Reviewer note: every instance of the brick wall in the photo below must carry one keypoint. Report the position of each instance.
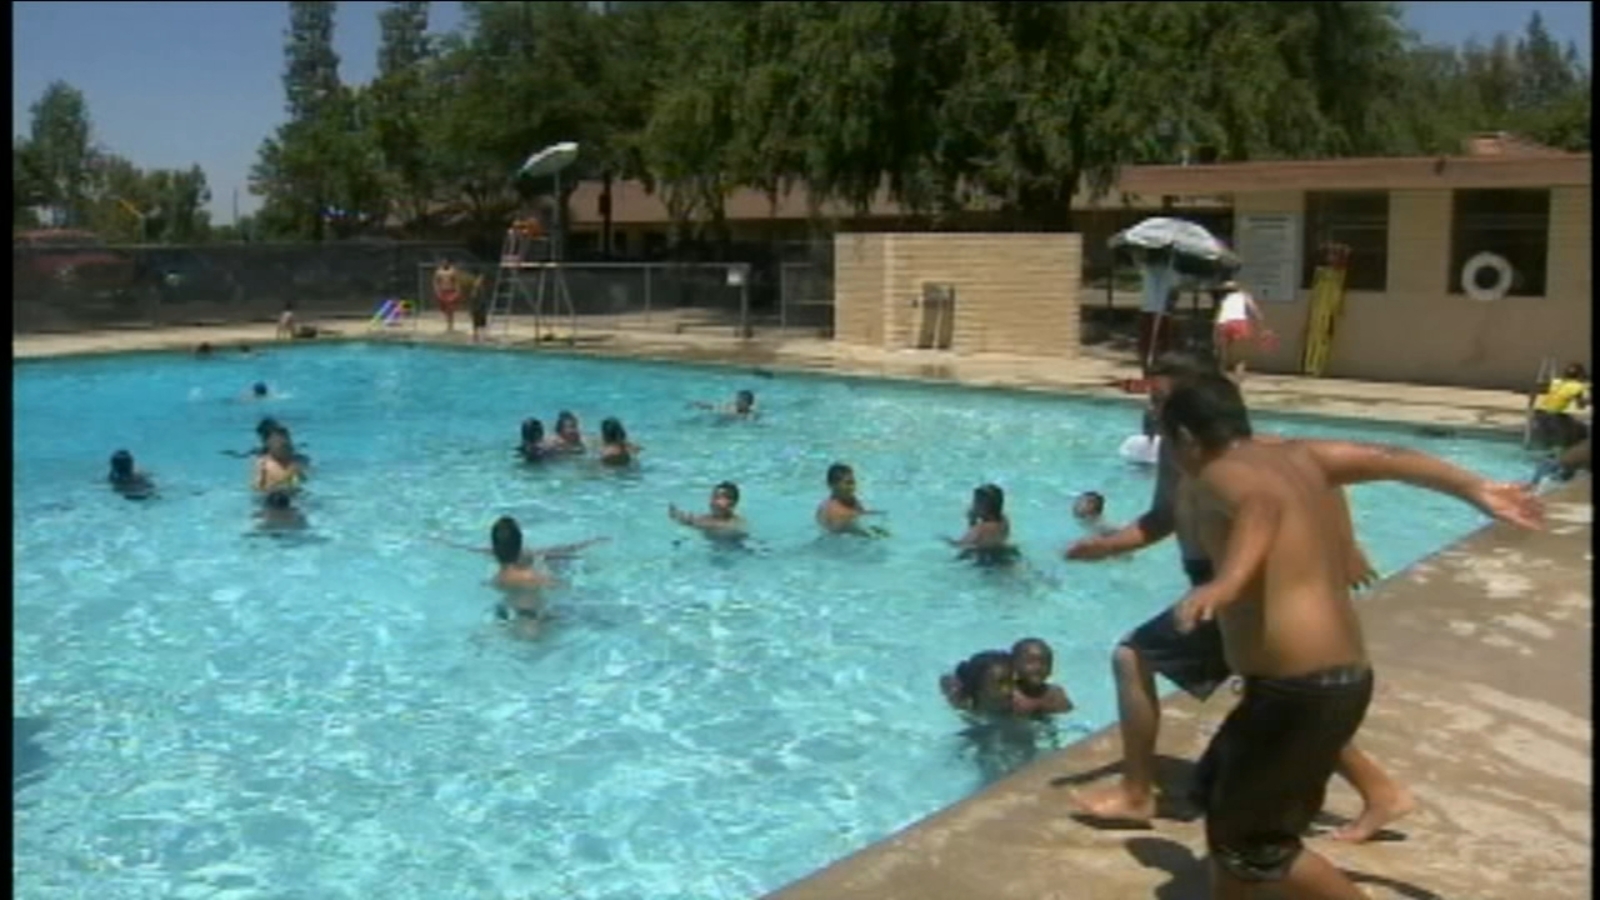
(1416, 331)
(1015, 293)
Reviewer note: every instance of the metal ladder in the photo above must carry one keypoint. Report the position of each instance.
(510, 284)
(1547, 371)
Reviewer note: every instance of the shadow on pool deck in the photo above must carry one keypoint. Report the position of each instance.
(1482, 708)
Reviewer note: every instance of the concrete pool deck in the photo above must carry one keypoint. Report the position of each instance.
(1482, 709)
(1093, 373)
(1482, 651)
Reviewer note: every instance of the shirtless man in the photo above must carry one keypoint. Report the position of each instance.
(447, 291)
(1269, 513)
(1194, 660)
(723, 522)
(841, 512)
(277, 469)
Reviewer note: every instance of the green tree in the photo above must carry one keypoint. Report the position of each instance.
(60, 154)
(402, 113)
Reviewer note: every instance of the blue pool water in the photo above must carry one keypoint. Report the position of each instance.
(228, 716)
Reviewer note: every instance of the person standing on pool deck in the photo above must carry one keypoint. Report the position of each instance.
(1194, 660)
(1281, 600)
(447, 292)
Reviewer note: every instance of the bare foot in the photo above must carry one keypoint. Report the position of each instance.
(1116, 803)
(1377, 814)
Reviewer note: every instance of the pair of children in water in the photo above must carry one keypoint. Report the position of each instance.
(615, 448)
(1001, 683)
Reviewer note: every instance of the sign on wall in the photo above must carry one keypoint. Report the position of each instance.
(1269, 248)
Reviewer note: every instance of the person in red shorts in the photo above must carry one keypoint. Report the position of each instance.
(1239, 321)
(447, 291)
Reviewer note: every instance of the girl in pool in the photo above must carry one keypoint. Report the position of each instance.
(987, 541)
(615, 450)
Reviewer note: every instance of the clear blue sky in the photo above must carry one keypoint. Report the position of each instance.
(172, 84)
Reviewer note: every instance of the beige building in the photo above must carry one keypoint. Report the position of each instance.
(1412, 226)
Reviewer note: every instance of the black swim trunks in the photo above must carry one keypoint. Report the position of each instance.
(1192, 660)
(986, 557)
(1265, 774)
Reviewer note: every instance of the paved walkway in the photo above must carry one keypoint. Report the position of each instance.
(1092, 373)
(1483, 709)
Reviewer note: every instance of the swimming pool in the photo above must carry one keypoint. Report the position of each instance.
(235, 717)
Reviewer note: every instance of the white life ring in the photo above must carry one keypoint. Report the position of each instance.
(1140, 450)
(1502, 277)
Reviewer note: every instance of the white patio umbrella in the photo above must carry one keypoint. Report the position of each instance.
(1184, 238)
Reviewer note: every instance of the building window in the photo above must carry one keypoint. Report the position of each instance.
(1355, 219)
(1514, 224)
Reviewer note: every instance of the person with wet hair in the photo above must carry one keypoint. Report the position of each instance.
(128, 481)
(521, 584)
(841, 511)
(277, 469)
(532, 448)
(1089, 509)
(983, 683)
(987, 539)
(568, 439)
(722, 521)
(1033, 661)
(743, 406)
(615, 449)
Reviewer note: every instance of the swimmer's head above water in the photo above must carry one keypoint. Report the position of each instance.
(612, 432)
(266, 427)
(988, 504)
(986, 680)
(567, 427)
(724, 499)
(121, 466)
(506, 539)
(842, 482)
(1089, 505)
(532, 435)
(744, 402)
(1032, 661)
(259, 389)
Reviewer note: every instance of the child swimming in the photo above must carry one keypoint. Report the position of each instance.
(987, 540)
(131, 483)
(1032, 661)
(615, 449)
(722, 522)
(841, 511)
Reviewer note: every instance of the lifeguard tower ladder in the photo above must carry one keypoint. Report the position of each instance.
(548, 295)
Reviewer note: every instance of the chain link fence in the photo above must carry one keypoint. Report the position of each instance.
(84, 285)
(80, 284)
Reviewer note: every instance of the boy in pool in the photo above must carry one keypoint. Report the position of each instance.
(987, 541)
(743, 407)
(615, 449)
(1089, 509)
(722, 522)
(841, 512)
(520, 583)
(1032, 660)
(131, 483)
(1267, 513)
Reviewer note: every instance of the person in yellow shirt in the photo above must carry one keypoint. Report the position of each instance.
(1554, 426)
